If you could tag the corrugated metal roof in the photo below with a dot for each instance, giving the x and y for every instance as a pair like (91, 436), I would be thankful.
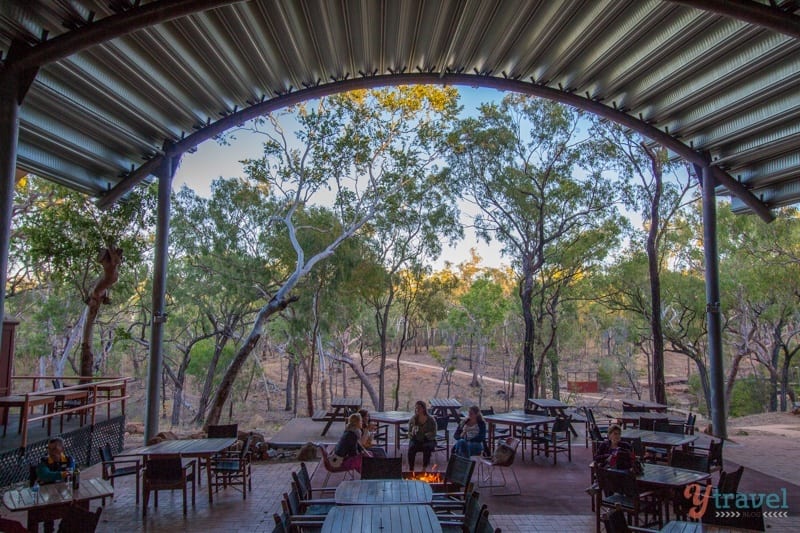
(122, 81)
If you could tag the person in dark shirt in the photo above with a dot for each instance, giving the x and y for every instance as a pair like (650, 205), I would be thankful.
(349, 445)
(56, 464)
(421, 436)
(470, 434)
(614, 452)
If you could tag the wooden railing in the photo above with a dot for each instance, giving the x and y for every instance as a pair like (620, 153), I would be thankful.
(108, 385)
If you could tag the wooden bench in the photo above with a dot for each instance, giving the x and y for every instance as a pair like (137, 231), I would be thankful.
(321, 416)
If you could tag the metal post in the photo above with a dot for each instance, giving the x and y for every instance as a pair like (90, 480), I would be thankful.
(9, 133)
(165, 174)
(715, 368)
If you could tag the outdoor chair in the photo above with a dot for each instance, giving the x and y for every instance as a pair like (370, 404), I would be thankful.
(689, 461)
(749, 513)
(326, 462)
(296, 506)
(285, 523)
(488, 467)
(218, 431)
(498, 432)
(615, 522)
(466, 522)
(618, 490)
(303, 481)
(112, 469)
(79, 520)
(233, 468)
(558, 438)
(70, 404)
(442, 436)
(729, 481)
(649, 424)
(484, 525)
(167, 472)
(636, 445)
(381, 467)
(457, 480)
(714, 452)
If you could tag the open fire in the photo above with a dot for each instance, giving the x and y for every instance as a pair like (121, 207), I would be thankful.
(428, 477)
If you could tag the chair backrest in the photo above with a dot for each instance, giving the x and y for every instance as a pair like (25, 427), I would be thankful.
(689, 461)
(748, 515)
(163, 468)
(562, 423)
(280, 526)
(472, 511)
(715, 453)
(690, 422)
(660, 425)
(513, 443)
(612, 481)
(595, 434)
(223, 431)
(292, 499)
(636, 445)
(459, 472)
(649, 424)
(615, 522)
(441, 423)
(633, 409)
(381, 467)
(484, 525)
(489, 411)
(729, 481)
(79, 520)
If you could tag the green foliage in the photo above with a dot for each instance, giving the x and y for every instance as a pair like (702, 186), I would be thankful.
(607, 369)
(696, 390)
(750, 395)
(201, 356)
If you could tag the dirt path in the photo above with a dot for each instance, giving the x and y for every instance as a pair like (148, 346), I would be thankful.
(438, 370)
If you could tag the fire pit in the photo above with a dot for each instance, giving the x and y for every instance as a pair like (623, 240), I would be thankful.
(427, 477)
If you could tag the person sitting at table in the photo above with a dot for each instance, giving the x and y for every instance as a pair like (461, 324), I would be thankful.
(368, 435)
(614, 452)
(56, 464)
(421, 436)
(470, 434)
(349, 446)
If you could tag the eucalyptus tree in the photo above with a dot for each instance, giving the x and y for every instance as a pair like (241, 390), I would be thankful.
(69, 244)
(346, 154)
(522, 163)
(648, 191)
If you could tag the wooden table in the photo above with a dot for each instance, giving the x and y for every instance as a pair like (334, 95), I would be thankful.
(446, 407)
(108, 389)
(679, 526)
(554, 408)
(54, 499)
(395, 418)
(341, 409)
(190, 448)
(381, 519)
(382, 492)
(25, 402)
(660, 439)
(515, 419)
(645, 406)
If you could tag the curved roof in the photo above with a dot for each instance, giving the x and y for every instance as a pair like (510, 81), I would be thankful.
(118, 84)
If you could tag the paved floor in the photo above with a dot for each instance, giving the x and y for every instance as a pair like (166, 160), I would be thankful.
(544, 506)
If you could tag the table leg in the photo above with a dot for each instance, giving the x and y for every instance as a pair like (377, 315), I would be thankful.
(208, 474)
(333, 417)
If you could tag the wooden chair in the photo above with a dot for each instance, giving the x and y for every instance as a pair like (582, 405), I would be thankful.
(649, 424)
(443, 436)
(381, 467)
(216, 431)
(233, 468)
(167, 472)
(714, 453)
(636, 445)
(558, 439)
(689, 461)
(303, 481)
(285, 523)
(729, 481)
(297, 506)
(112, 469)
(484, 525)
(79, 520)
(457, 482)
(618, 490)
(488, 466)
(749, 513)
(326, 462)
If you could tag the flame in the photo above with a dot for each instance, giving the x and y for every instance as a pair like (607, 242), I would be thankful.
(428, 477)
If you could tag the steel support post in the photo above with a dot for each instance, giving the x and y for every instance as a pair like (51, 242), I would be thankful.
(9, 133)
(715, 367)
(166, 172)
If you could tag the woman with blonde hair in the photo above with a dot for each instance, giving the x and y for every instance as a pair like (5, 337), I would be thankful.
(349, 446)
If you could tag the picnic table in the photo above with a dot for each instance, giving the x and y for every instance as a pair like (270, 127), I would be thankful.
(381, 518)
(553, 407)
(383, 491)
(54, 499)
(25, 402)
(515, 419)
(394, 418)
(340, 409)
(643, 406)
(446, 407)
(191, 448)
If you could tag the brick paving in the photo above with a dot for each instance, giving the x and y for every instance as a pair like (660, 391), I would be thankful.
(772, 455)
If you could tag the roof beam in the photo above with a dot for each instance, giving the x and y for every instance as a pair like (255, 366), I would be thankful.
(234, 119)
(106, 29)
(774, 18)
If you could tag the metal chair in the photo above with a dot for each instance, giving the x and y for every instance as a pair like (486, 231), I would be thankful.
(112, 469)
(167, 472)
(381, 467)
(488, 466)
(79, 520)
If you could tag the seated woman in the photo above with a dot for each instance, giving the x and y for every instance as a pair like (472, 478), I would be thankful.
(421, 436)
(470, 434)
(56, 465)
(368, 435)
(614, 452)
(349, 447)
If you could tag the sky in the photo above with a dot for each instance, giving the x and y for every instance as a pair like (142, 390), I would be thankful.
(213, 160)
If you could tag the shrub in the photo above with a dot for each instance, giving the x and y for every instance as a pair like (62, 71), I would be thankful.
(750, 395)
